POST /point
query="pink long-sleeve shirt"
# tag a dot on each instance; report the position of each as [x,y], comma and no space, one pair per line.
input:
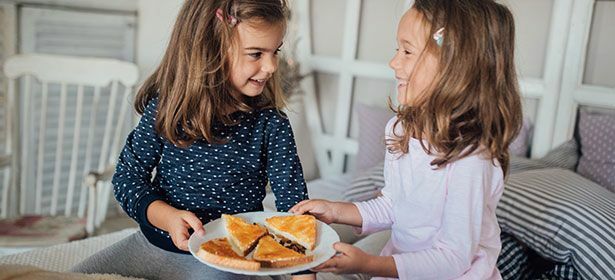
[442,221]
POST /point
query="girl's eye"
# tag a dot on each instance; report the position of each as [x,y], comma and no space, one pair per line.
[256,55]
[406,52]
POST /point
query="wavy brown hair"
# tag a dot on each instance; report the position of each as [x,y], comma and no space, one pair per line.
[192,81]
[473,103]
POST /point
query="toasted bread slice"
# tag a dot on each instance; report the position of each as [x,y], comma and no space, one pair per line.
[300,229]
[242,235]
[219,251]
[271,254]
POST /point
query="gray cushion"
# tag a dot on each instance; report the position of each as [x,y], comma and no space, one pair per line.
[520,147]
[372,122]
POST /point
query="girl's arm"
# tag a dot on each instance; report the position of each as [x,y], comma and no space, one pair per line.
[347,213]
[283,166]
[376,214]
[141,154]
[284,169]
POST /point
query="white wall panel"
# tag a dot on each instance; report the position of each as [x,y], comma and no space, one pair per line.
[599,67]
[377,33]
[3,85]
[532,19]
[326,90]
[155,21]
[328,29]
[372,92]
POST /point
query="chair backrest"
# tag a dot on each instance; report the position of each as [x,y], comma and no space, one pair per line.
[68,117]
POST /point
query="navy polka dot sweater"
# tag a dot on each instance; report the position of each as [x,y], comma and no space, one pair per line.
[209,179]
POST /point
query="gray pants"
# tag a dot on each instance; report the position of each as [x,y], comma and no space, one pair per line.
[134,256]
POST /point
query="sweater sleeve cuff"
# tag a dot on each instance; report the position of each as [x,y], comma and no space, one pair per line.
[142,205]
[365,227]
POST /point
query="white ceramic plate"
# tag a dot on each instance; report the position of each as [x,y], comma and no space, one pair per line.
[323,250]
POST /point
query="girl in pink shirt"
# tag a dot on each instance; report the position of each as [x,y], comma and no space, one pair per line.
[447,148]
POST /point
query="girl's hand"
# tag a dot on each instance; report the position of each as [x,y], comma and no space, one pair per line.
[175,222]
[349,259]
[323,210]
[178,226]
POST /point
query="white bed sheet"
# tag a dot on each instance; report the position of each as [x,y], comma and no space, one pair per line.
[61,257]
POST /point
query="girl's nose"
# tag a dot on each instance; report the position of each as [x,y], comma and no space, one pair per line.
[394,63]
[270,64]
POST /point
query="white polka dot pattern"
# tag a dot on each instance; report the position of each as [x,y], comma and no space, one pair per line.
[597,138]
[209,179]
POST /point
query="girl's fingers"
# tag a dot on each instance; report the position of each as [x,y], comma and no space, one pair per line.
[342,247]
[183,245]
[326,265]
[298,208]
[179,238]
[182,240]
[194,223]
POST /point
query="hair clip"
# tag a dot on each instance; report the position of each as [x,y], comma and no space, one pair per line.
[232,21]
[438,36]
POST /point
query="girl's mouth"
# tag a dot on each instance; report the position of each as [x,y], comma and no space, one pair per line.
[259,82]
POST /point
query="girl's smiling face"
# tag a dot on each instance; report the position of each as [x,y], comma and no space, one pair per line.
[255,56]
[415,68]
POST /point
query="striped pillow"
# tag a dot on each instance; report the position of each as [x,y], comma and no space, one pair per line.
[563,217]
[564,156]
[367,185]
[562,271]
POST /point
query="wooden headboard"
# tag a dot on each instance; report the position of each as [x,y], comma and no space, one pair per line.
[575,92]
[556,90]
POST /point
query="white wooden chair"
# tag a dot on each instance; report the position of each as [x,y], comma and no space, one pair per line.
[66,120]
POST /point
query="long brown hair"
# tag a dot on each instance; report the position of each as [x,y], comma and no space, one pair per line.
[193,80]
[473,102]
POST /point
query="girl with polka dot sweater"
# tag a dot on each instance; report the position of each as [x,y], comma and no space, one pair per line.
[212,134]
